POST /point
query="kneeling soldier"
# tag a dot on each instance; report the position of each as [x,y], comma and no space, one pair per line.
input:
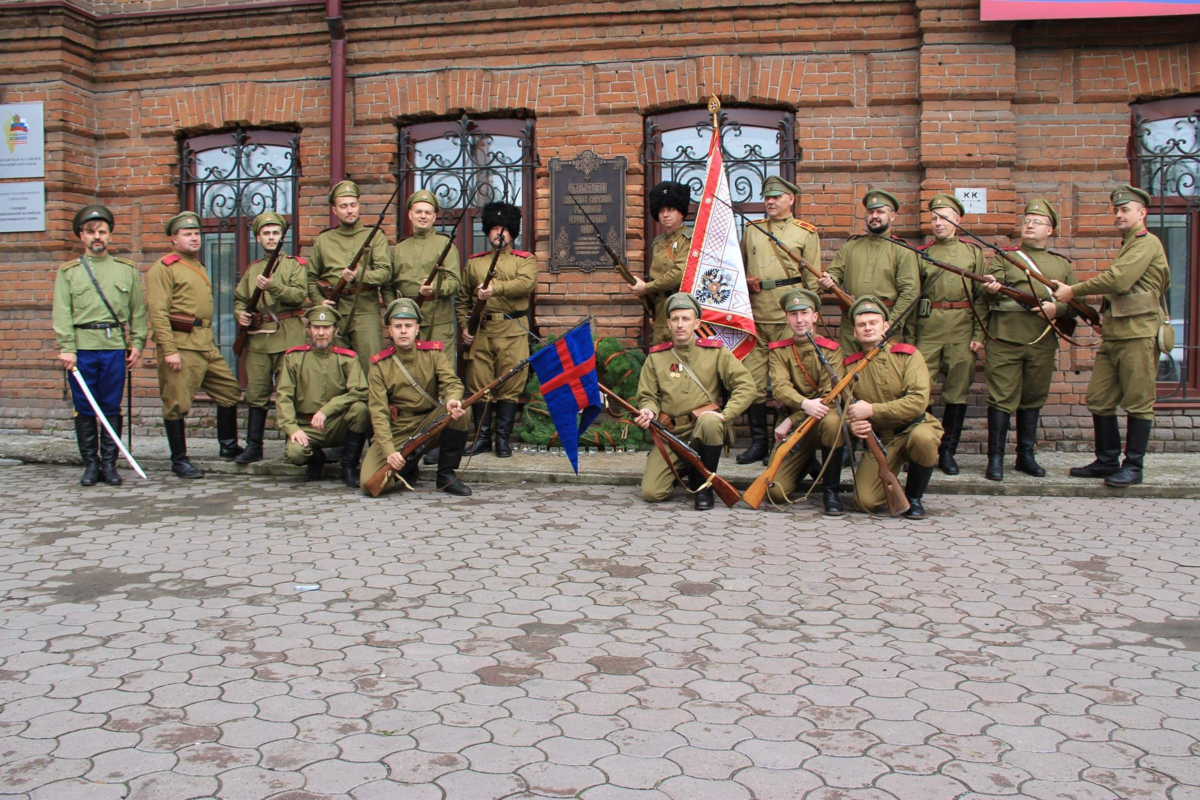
[892,395]
[321,400]
[408,385]
[679,384]
[799,381]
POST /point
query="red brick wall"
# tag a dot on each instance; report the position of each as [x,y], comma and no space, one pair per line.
[916,97]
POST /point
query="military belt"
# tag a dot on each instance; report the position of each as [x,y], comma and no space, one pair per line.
[98,326]
[894,432]
[397,414]
[500,317]
[946,305]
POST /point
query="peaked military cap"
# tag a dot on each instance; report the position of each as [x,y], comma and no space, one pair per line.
[424,196]
[799,298]
[683,300]
[403,308]
[267,218]
[343,189]
[774,186]
[943,200]
[1130,194]
[322,316]
[504,215]
[88,214]
[187,219]
[868,304]
[1041,207]
[670,194]
[876,198]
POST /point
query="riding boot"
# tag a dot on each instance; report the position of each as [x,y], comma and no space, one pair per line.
[831,482]
[506,414]
[256,425]
[315,468]
[483,424]
[1137,439]
[997,439]
[431,457]
[449,457]
[352,449]
[88,441]
[1108,450]
[710,456]
[177,441]
[227,432]
[108,453]
[952,421]
[1027,428]
[914,489]
[756,416]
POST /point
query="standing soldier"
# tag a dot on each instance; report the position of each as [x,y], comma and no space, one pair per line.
[322,400]
[948,332]
[408,385]
[502,342]
[329,261]
[765,263]
[799,380]
[670,203]
[1127,361]
[679,385]
[1019,366]
[95,296]
[275,326]
[891,393]
[179,303]
[870,265]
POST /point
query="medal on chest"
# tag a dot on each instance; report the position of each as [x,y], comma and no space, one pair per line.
[676,370]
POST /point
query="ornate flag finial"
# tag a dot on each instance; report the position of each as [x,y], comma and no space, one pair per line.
[714,108]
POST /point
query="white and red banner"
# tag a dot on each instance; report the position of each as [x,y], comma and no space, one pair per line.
[715,274]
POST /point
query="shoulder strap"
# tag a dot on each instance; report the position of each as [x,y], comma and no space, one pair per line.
[803,371]
[83,260]
[413,382]
[696,380]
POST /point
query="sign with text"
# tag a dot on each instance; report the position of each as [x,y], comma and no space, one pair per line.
[974,200]
[22,207]
[996,10]
[598,185]
[22,153]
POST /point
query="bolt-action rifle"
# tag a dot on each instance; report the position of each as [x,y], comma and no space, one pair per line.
[441,259]
[243,336]
[336,292]
[618,263]
[476,318]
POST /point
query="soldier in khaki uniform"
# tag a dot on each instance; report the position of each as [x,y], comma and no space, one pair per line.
[670,204]
[91,341]
[947,327]
[678,378]
[409,386]
[870,265]
[276,325]
[329,261]
[766,263]
[1020,366]
[1127,362]
[322,400]
[502,340]
[799,380]
[179,304]
[891,393]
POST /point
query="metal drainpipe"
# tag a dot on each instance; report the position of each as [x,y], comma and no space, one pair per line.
[337,89]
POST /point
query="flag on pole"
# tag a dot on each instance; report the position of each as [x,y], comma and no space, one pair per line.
[715,274]
[566,370]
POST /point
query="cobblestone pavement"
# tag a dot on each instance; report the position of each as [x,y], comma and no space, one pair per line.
[575,642]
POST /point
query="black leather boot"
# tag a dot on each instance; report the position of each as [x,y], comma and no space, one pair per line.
[506,414]
[759,449]
[952,422]
[177,440]
[449,457]
[997,440]
[352,449]
[315,467]
[1137,439]
[108,452]
[483,424]
[831,483]
[710,456]
[411,472]
[256,425]
[227,432]
[89,448]
[1027,428]
[914,488]
[1108,450]
[431,457]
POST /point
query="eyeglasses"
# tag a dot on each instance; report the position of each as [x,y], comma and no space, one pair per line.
[1033,222]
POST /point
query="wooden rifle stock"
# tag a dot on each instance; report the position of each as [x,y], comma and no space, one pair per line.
[476,318]
[340,286]
[729,495]
[243,336]
[1024,298]
[441,259]
[618,263]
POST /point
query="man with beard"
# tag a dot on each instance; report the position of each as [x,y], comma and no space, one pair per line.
[670,203]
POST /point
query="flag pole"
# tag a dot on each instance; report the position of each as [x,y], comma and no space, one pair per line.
[714,108]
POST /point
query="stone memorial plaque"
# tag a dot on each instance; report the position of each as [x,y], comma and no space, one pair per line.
[599,186]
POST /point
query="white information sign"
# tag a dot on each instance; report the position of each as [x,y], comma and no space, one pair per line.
[22,207]
[974,200]
[22,141]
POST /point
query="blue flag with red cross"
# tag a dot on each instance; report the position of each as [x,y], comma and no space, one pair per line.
[566,370]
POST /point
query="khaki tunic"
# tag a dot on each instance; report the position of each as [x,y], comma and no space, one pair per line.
[1127,362]
[77,303]
[332,252]
[501,342]
[1019,377]
[896,384]
[331,382]
[944,335]
[180,285]
[412,260]
[668,260]
[870,265]
[798,375]
[664,387]
[265,347]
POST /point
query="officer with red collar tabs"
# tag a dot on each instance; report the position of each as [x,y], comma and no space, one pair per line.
[502,338]
[321,400]
[1135,332]
[891,393]
[681,384]
[799,380]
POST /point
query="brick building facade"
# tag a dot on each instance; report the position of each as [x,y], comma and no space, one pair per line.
[914,97]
